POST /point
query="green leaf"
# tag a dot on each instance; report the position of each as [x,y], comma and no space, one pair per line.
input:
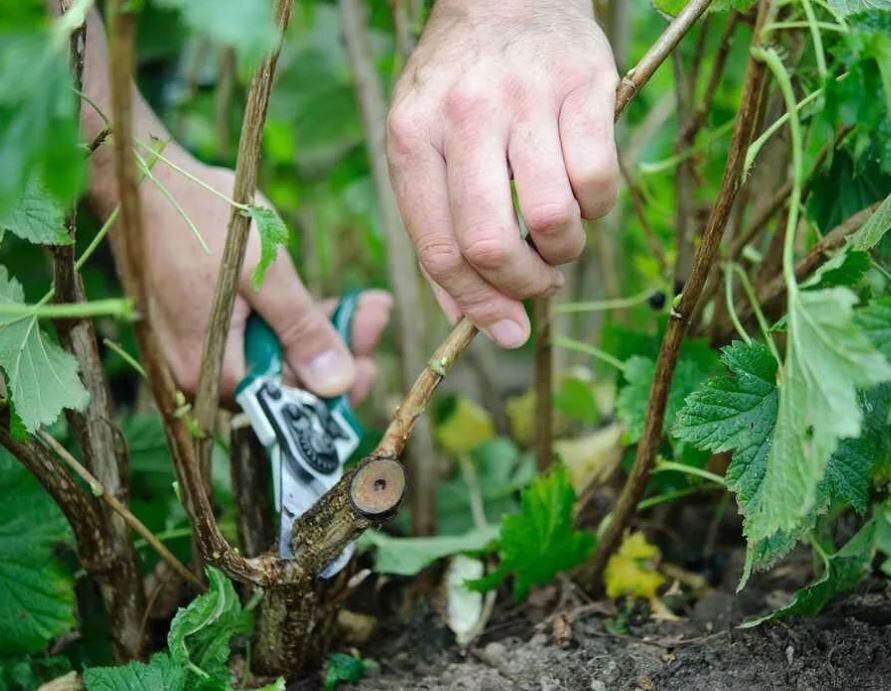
[540,542]
[345,669]
[273,233]
[200,633]
[846,7]
[673,7]
[41,377]
[36,591]
[828,358]
[738,414]
[875,321]
[844,571]
[248,26]
[36,217]
[849,470]
[874,229]
[406,556]
[634,398]
[160,674]
[844,269]
[501,472]
[39,133]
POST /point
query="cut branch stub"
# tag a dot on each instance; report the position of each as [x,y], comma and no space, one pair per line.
[377,488]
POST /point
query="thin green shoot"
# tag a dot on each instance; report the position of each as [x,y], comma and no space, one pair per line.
[672,467]
[672,162]
[169,196]
[587,349]
[129,359]
[603,305]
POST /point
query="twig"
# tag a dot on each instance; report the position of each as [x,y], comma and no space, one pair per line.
[99,490]
[245,187]
[401,262]
[333,521]
[128,242]
[705,255]
[94,430]
[249,469]
[544,384]
[661,49]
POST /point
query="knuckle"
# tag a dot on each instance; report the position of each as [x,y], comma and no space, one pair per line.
[485,248]
[441,259]
[551,216]
[464,105]
[404,131]
[567,251]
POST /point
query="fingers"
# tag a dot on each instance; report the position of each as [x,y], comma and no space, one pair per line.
[418,172]
[549,208]
[311,346]
[371,318]
[589,147]
[366,372]
[483,215]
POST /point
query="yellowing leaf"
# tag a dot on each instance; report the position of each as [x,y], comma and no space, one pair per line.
[632,570]
[591,457]
[521,417]
[468,426]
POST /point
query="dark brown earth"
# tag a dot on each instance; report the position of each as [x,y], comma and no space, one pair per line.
[554,645]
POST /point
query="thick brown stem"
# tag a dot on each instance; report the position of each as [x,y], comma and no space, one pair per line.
[245,187]
[249,468]
[401,264]
[705,256]
[128,244]
[94,429]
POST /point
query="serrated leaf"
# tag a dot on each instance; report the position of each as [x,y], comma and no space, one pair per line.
[634,397]
[632,569]
[736,414]
[846,7]
[248,26]
[844,269]
[844,571]
[160,674]
[39,134]
[200,633]
[871,232]
[407,556]
[36,591]
[42,378]
[828,358]
[36,217]
[272,232]
[875,321]
[849,470]
[541,541]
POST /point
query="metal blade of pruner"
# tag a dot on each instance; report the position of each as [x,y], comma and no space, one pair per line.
[307,438]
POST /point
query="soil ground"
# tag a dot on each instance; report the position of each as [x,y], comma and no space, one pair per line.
[553,644]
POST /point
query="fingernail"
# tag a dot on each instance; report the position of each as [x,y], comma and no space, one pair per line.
[329,373]
[507,333]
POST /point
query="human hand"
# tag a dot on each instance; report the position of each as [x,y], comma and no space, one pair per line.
[499,90]
[182,279]
[182,276]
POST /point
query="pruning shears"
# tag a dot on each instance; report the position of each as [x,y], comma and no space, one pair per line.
[307,438]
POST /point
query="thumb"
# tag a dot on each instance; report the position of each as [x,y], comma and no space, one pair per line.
[311,346]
